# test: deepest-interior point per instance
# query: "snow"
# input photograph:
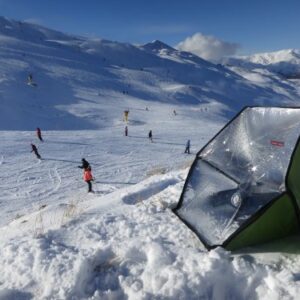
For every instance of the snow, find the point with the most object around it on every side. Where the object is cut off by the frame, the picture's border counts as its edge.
(292, 55)
(123, 241)
(286, 62)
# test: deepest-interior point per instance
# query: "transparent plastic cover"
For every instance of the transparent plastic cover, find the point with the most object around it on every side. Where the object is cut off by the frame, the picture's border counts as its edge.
(242, 169)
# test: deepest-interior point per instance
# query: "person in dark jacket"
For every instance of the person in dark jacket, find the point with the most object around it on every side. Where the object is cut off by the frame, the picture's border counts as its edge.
(39, 134)
(85, 164)
(187, 147)
(29, 78)
(150, 135)
(35, 150)
(126, 131)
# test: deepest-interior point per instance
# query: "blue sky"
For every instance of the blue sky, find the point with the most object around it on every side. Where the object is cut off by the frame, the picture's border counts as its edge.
(257, 26)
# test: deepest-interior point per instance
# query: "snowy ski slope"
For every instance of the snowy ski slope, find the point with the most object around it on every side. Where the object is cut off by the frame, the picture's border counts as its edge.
(122, 242)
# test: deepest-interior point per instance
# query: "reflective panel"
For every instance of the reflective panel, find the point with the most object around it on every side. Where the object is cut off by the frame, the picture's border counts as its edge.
(240, 171)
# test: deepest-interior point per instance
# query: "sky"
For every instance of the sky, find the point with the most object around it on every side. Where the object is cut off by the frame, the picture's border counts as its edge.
(243, 26)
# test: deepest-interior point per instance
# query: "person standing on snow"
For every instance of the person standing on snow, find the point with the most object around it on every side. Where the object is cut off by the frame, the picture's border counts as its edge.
(126, 113)
(29, 79)
(187, 147)
(150, 136)
(126, 131)
(88, 178)
(84, 164)
(39, 134)
(34, 149)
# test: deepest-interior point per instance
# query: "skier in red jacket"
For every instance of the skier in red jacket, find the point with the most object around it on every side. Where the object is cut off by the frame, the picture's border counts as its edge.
(88, 178)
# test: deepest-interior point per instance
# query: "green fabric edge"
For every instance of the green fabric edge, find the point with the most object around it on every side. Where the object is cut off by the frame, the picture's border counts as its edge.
(293, 176)
(278, 221)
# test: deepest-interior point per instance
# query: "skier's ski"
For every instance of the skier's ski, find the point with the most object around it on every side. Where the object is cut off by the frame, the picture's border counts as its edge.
(33, 84)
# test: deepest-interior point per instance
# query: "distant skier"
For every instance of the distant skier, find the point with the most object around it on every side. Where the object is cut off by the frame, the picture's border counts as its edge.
(30, 79)
(88, 178)
(150, 136)
(126, 131)
(187, 147)
(35, 150)
(174, 112)
(126, 113)
(39, 134)
(85, 164)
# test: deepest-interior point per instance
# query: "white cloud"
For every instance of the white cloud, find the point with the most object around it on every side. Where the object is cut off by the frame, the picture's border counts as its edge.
(207, 47)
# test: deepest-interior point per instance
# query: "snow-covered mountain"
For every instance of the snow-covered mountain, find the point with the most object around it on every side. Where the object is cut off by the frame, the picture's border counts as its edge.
(113, 73)
(284, 62)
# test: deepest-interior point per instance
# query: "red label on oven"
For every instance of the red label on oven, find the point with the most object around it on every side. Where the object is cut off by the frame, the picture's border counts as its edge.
(277, 143)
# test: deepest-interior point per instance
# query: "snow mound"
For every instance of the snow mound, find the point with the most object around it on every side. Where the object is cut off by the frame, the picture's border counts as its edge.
(108, 253)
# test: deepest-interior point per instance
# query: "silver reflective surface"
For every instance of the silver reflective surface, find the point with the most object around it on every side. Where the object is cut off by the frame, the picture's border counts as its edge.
(240, 171)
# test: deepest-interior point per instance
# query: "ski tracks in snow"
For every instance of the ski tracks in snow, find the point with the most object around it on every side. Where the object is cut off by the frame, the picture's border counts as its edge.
(55, 178)
(36, 181)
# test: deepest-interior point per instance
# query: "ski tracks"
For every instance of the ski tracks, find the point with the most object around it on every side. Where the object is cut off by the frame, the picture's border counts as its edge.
(37, 181)
(55, 178)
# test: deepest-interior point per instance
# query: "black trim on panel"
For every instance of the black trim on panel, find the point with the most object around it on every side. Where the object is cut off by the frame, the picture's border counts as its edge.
(191, 227)
(220, 171)
(221, 130)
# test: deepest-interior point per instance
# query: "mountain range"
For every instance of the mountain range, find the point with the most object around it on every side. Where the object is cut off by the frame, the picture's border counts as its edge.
(124, 76)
